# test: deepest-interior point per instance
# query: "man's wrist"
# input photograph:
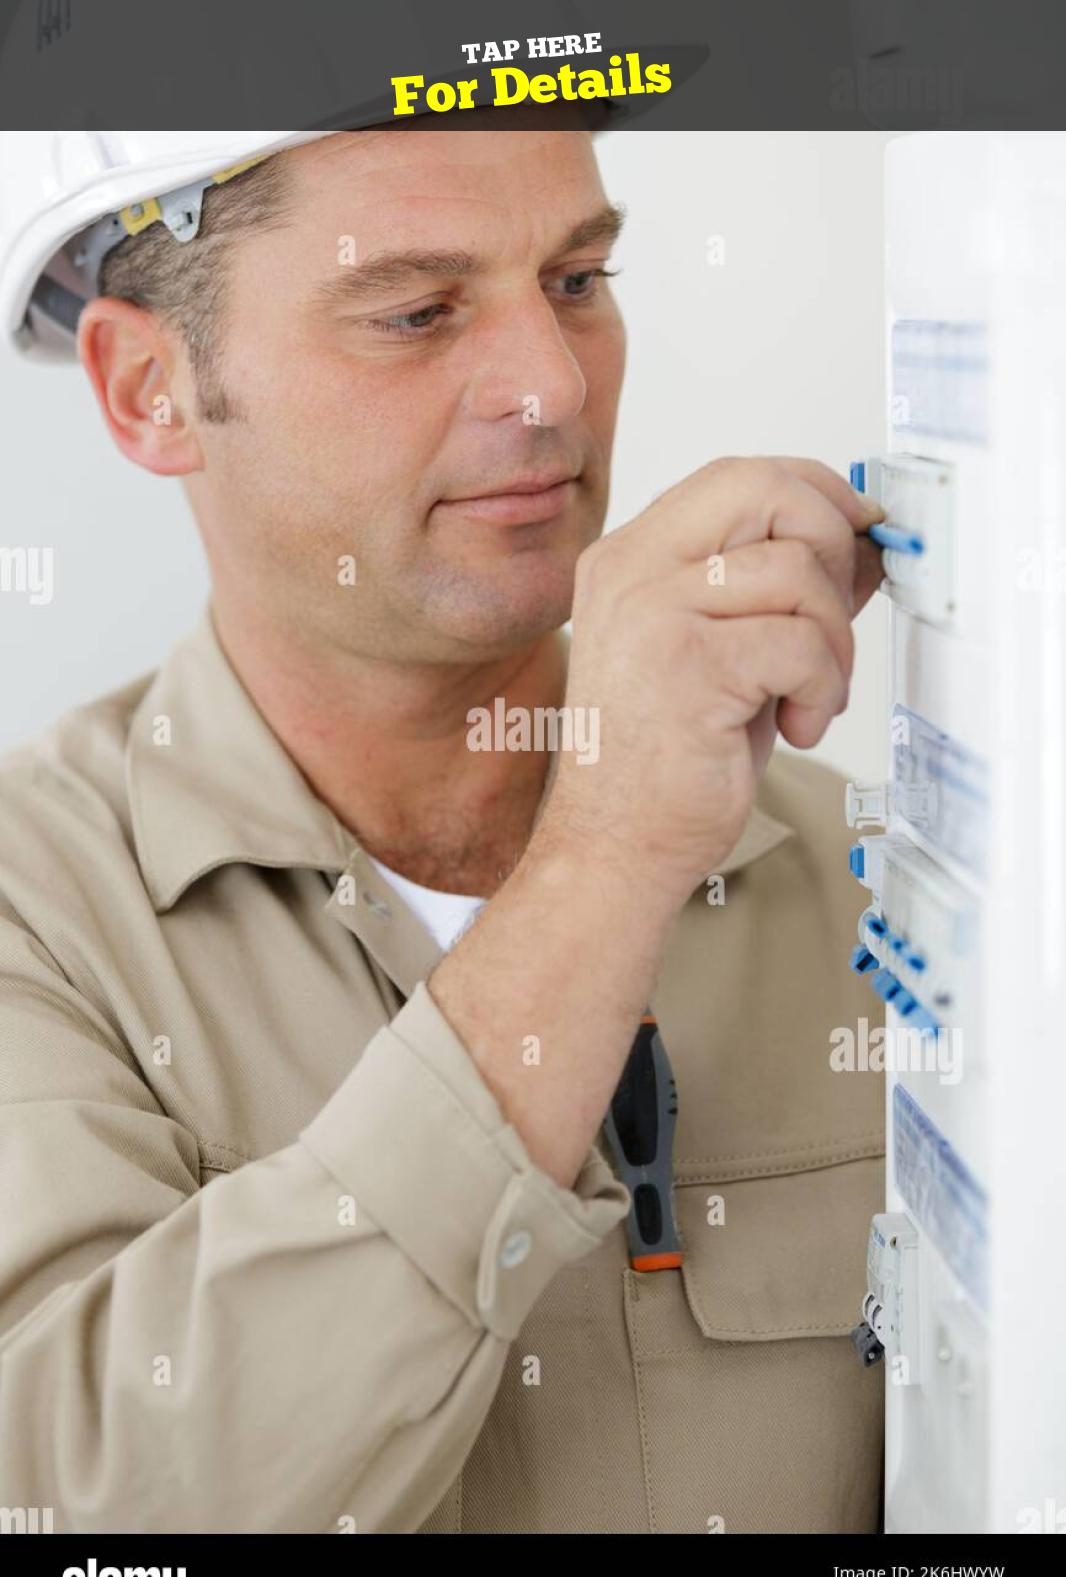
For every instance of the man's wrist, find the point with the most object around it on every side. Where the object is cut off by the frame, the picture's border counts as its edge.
(608, 873)
(597, 878)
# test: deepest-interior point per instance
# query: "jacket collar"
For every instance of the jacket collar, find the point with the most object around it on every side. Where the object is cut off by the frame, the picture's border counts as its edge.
(210, 784)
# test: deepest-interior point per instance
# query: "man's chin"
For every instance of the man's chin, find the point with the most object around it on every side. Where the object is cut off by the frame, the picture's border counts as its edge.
(496, 615)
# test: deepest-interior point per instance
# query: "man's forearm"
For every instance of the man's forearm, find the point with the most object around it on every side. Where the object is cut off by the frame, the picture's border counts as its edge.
(546, 991)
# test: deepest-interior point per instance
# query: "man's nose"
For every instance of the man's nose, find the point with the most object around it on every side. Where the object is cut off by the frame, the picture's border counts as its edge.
(524, 367)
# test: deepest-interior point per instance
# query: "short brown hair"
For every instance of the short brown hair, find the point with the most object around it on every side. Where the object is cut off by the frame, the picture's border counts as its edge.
(185, 282)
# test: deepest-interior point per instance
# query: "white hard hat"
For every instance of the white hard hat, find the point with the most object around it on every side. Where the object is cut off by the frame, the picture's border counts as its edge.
(67, 197)
(322, 65)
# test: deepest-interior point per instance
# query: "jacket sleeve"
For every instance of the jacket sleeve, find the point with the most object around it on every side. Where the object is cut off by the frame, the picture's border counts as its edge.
(312, 1338)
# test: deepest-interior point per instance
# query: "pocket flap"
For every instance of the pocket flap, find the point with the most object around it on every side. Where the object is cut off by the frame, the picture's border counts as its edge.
(788, 1255)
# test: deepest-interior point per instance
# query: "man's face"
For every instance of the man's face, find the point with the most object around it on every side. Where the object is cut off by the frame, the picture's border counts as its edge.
(415, 356)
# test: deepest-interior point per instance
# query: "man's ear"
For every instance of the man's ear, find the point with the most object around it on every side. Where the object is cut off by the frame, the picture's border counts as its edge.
(135, 368)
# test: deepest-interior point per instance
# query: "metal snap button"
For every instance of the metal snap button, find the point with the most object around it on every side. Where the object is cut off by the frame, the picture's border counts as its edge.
(516, 1249)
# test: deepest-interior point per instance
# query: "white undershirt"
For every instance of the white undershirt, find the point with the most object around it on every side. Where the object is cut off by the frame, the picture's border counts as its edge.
(445, 915)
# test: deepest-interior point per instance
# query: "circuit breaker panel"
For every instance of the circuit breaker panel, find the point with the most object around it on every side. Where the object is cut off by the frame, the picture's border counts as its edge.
(962, 848)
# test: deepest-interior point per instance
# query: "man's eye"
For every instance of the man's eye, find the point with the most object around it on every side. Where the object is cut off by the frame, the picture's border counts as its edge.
(412, 324)
(583, 283)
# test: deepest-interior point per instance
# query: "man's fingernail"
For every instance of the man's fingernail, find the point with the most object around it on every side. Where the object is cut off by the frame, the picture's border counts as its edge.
(871, 509)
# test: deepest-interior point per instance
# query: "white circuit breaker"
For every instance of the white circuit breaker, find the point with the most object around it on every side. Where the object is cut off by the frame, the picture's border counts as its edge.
(963, 847)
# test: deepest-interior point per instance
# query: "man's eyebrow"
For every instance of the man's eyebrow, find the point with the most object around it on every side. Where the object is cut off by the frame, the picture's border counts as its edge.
(604, 227)
(386, 271)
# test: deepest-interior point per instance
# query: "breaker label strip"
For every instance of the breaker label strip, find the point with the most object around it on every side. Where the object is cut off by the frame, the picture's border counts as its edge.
(940, 789)
(940, 379)
(942, 1194)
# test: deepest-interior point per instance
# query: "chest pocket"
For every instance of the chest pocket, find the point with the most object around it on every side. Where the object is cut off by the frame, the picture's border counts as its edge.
(756, 1415)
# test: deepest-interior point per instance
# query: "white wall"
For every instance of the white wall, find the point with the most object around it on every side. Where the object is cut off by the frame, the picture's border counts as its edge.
(779, 350)
(129, 575)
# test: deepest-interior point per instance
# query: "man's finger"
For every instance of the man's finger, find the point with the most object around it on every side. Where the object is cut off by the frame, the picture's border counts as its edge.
(860, 510)
(869, 572)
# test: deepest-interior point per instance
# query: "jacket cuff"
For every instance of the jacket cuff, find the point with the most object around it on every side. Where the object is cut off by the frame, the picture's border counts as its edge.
(417, 1137)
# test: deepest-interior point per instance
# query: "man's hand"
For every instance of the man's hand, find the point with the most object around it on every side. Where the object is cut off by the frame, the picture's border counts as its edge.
(693, 666)
(719, 615)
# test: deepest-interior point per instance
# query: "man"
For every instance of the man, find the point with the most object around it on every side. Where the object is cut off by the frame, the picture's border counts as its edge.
(311, 1225)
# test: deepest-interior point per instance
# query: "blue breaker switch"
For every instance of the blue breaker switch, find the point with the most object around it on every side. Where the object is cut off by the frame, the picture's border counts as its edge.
(862, 960)
(919, 499)
(886, 536)
(857, 860)
(885, 984)
(865, 476)
(899, 541)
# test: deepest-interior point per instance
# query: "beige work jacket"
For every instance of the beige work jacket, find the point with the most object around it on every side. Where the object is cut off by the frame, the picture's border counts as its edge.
(270, 1258)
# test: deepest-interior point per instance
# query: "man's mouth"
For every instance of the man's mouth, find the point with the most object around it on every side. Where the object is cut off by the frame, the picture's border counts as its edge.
(518, 500)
